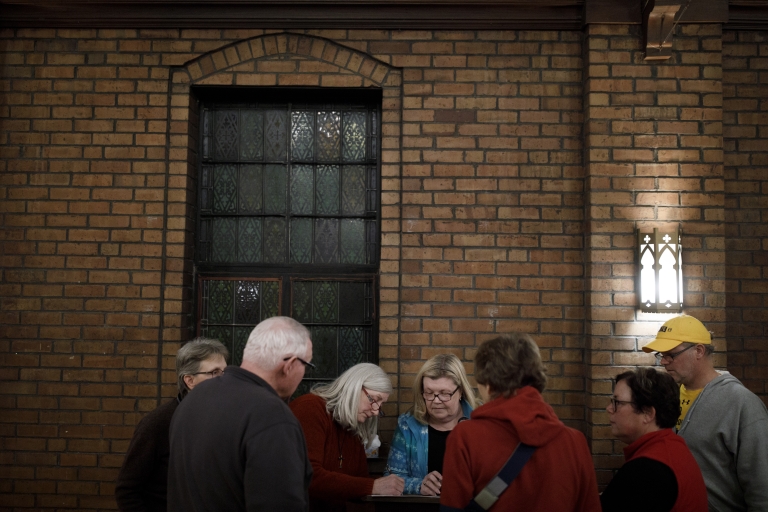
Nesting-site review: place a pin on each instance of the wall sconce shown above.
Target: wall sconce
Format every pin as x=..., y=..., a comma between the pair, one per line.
x=660, y=271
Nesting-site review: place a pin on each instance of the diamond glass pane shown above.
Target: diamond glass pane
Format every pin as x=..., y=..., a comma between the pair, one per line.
x=302, y=135
x=223, y=239
x=250, y=189
x=206, y=188
x=270, y=299
x=275, y=200
x=374, y=134
x=324, y=351
x=325, y=302
x=302, y=189
x=354, y=136
x=241, y=338
x=353, y=190
x=327, y=191
x=353, y=298
x=225, y=137
x=248, y=240
x=247, y=302
x=326, y=241
x=206, y=134
x=223, y=333
x=352, y=241
x=301, y=240
x=274, y=240
x=276, y=133
x=251, y=135
x=351, y=347
x=224, y=189
x=328, y=136
x=301, y=301
x=220, y=302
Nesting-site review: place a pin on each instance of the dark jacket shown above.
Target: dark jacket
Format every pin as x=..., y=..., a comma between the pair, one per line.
x=236, y=446
x=143, y=479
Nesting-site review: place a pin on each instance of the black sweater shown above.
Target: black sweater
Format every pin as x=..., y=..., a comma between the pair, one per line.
x=143, y=480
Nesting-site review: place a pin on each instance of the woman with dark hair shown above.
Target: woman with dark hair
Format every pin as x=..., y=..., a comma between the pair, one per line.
x=660, y=473
x=558, y=477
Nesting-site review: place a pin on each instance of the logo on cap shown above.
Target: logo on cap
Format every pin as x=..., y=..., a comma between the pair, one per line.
x=664, y=328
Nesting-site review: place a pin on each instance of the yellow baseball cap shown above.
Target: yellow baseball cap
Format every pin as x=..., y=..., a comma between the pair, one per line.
x=681, y=329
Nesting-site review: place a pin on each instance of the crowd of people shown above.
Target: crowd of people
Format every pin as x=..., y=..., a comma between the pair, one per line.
x=696, y=438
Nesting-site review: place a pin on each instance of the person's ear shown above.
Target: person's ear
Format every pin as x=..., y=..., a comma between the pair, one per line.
x=189, y=380
x=649, y=414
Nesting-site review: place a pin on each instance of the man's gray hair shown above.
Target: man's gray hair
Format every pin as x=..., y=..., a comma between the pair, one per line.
x=194, y=352
x=342, y=397
x=274, y=339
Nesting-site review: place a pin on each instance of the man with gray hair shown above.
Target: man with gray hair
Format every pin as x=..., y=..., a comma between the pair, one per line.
x=235, y=445
x=143, y=479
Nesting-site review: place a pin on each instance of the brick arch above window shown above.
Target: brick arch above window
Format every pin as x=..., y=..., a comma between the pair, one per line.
x=288, y=59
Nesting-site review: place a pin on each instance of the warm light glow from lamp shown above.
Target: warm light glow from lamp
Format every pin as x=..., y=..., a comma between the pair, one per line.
x=660, y=271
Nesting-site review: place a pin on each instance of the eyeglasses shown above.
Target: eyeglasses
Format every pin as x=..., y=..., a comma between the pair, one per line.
x=616, y=403
x=212, y=373
x=670, y=356
x=376, y=406
x=309, y=366
x=444, y=397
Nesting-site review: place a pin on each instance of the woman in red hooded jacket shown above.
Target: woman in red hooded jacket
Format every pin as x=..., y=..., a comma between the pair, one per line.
x=559, y=476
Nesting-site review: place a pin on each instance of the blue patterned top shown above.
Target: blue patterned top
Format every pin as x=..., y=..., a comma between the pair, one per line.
x=408, y=452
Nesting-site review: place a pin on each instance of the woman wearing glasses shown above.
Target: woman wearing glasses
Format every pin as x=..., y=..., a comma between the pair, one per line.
x=442, y=397
x=660, y=473
x=339, y=419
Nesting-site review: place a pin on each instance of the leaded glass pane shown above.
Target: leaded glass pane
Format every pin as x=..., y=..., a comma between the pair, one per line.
x=274, y=240
x=206, y=121
x=302, y=187
x=374, y=135
x=251, y=135
x=302, y=135
x=353, y=190
x=354, y=136
x=224, y=189
x=223, y=239
x=223, y=333
x=250, y=189
x=220, y=302
x=270, y=299
x=249, y=240
x=352, y=241
x=354, y=298
x=328, y=136
x=324, y=351
x=301, y=303
x=351, y=347
x=225, y=137
x=206, y=188
x=275, y=199
x=204, y=245
x=247, y=302
x=326, y=241
x=327, y=191
x=301, y=240
x=325, y=302
x=241, y=339
x=276, y=132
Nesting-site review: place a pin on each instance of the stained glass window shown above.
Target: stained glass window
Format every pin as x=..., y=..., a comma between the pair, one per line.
x=288, y=221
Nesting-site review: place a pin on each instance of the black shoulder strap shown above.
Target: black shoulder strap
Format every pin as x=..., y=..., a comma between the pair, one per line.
x=488, y=496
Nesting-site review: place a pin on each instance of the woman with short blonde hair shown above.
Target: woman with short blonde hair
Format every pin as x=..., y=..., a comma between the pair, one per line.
x=442, y=396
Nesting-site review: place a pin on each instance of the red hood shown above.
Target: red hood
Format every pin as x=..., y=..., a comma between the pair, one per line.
x=533, y=419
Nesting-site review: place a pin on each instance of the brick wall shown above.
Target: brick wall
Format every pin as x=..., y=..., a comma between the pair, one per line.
x=745, y=120
x=654, y=158
x=484, y=197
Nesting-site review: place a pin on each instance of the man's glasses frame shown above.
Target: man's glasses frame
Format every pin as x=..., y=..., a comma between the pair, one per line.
x=444, y=397
x=213, y=373
x=307, y=364
x=670, y=356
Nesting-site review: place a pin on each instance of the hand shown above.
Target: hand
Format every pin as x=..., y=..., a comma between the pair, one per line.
x=391, y=485
x=431, y=484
